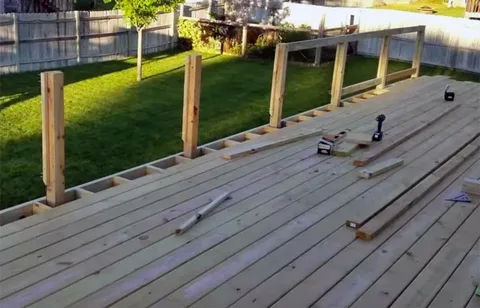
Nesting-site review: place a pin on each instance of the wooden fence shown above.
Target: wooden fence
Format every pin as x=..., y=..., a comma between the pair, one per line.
x=46, y=41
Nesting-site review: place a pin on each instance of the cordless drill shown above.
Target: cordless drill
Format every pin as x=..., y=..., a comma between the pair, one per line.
x=378, y=135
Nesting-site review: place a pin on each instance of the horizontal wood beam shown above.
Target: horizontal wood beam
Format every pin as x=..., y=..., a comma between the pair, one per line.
x=401, y=74
x=309, y=44
x=361, y=86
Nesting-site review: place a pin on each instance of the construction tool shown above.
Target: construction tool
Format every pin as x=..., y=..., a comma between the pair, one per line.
x=378, y=135
x=461, y=197
x=448, y=96
x=325, y=145
x=200, y=214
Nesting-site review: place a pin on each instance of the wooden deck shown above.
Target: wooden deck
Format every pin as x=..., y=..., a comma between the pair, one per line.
x=281, y=240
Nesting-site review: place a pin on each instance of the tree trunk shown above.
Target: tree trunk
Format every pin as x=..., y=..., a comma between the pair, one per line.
x=139, y=54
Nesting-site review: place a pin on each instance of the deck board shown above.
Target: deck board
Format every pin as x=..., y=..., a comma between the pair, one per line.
x=275, y=240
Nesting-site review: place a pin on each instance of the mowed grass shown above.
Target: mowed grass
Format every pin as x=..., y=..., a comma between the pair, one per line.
x=441, y=8
x=114, y=123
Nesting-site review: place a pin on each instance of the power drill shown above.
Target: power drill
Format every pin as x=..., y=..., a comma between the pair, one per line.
x=378, y=135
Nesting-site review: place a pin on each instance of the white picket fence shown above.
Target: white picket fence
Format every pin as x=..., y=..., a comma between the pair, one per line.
x=46, y=41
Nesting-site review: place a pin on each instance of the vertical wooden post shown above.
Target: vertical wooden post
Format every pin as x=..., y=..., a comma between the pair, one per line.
x=16, y=37
x=191, y=104
x=77, y=32
x=53, y=137
x=383, y=61
x=139, y=53
x=338, y=74
x=244, y=39
x=182, y=10
x=417, y=56
x=278, y=85
x=321, y=30
x=173, y=29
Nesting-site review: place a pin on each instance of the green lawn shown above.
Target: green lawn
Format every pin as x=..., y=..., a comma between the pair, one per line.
x=440, y=7
x=114, y=123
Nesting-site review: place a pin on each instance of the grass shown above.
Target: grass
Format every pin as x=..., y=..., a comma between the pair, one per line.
x=440, y=7
x=114, y=123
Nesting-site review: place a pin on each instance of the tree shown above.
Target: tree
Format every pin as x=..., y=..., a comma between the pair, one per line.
x=140, y=13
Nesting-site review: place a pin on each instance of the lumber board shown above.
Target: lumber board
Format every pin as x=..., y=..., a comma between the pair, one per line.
x=403, y=255
x=388, y=144
x=361, y=86
x=380, y=167
x=401, y=74
x=303, y=291
x=431, y=279
x=471, y=186
x=411, y=175
x=359, y=138
x=397, y=208
x=304, y=118
x=265, y=145
x=344, y=149
x=460, y=286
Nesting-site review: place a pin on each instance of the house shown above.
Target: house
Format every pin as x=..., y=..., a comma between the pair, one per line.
x=35, y=6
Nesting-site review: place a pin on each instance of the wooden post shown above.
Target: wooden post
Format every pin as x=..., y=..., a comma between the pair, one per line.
x=244, y=39
x=173, y=29
x=191, y=104
x=417, y=56
x=182, y=10
x=321, y=30
x=278, y=85
x=383, y=61
x=139, y=53
x=16, y=37
x=53, y=137
x=77, y=32
x=338, y=74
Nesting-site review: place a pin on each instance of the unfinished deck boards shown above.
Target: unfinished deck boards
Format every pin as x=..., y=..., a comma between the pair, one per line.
x=281, y=233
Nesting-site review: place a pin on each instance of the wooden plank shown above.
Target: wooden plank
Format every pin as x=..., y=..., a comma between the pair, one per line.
x=118, y=180
x=400, y=74
x=304, y=117
x=250, y=136
x=344, y=149
x=403, y=254
x=319, y=112
x=356, y=99
x=38, y=208
x=358, y=138
x=191, y=104
x=269, y=129
x=309, y=44
x=231, y=143
x=417, y=56
x=361, y=86
x=378, y=223
x=387, y=144
x=82, y=193
x=459, y=288
x=410, y=176
x=383, y=62
x=244, y=40
x=309, y=291
x=78, y=38
x=471, y=186
x=241, y=151
x=290, y=123
x=53, y=136
x=278, y=85
x=381, y=167
x=432, y=278
x=16, y=36
x=338, y=74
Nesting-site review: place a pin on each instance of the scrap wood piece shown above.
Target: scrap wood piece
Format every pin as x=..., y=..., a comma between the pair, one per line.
x=471, y=186
x=378, y=223
x=202, y=213
x=381, y=167
x=344, y=149
x=359, y=138
x=247, y=149
x=387, y=145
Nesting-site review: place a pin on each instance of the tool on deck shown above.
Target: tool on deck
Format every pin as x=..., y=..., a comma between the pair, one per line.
x=378, y=135
x=325, y=145
x=461, y=197
x=448, y=96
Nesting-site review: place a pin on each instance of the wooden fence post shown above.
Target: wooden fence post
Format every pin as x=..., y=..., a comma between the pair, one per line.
x=417, y=56
x=338, y=74
x=191, y=105
x=182, y=10
x=16, y=37
x=244, y=39
x=53, y=137
x=278, y=85
x=321, y=30
x=173, y=29
x=383, y=61
x=77, y=32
